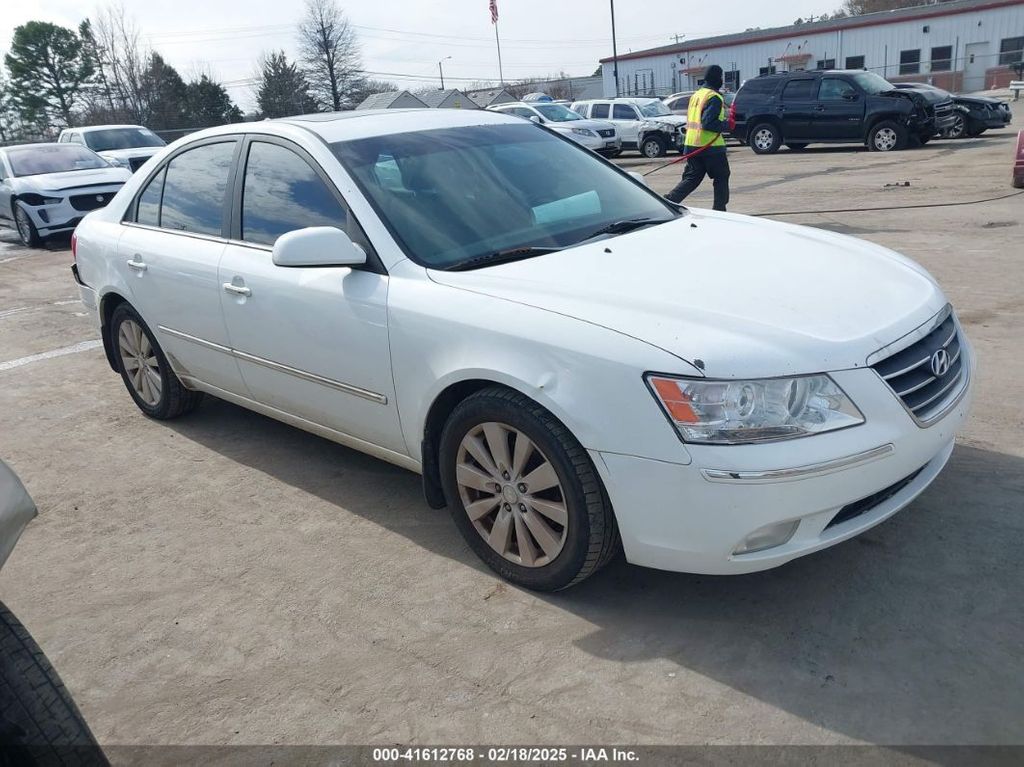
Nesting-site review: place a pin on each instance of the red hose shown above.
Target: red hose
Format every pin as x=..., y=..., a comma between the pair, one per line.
x=684, y=157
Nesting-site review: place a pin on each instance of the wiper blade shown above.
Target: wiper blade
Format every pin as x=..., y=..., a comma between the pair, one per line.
x=501, y=257
x=621, y=227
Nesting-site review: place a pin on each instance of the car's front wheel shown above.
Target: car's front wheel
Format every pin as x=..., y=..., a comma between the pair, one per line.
x=524, y=493
x=27, y=232
x=653, y=147
x=959, y=127
x=765, y=139
x=887, y=136
x=145, y=370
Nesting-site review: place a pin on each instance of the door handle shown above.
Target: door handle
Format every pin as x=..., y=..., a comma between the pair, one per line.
x=819, y=108
x=137, y=265
x=238, y=290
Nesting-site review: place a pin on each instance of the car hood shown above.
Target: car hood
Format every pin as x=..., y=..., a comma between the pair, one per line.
x=56, y=182
x=672, y=119
x=745, y=296
x=126, y=154
x=978, y=101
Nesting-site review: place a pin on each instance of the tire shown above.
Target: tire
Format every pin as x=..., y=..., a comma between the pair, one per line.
x=887, y=136
x=765, y=138
x=27, y=232
x=158, y=392
x=653, y=147
x=796, y=147
x=575, y=550
x=39, y=722
x=959, y=127
x=973, y=131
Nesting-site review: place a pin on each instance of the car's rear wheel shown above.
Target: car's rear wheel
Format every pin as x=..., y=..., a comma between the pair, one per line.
x=524, y=493
x=886, y=137
x=653, y=146
x=27, y=232
x=145, y=369
x=765, y=139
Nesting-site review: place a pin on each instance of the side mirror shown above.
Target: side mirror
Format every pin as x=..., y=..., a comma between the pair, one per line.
x=536, y=119
x=317, y=246
x=638, y=177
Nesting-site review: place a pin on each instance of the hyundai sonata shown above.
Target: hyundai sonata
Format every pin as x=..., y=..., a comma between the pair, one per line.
x=539, y=335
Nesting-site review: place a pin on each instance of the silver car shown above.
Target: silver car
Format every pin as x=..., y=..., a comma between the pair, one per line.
x=597, y=135
x=47, y=188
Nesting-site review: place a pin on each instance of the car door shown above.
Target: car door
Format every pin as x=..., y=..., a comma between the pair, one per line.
x=169, y=251
x=796, y=108
x=626, y=118
x=310, y=341
x=839, y=113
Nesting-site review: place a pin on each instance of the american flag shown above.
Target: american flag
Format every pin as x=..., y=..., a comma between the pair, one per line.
x=494, y=11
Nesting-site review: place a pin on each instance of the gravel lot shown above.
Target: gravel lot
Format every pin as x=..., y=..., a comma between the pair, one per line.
x=226, y=579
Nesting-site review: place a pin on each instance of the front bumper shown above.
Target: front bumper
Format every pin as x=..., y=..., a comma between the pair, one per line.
x=597, y=143
x=692, y=518
x=64, y=216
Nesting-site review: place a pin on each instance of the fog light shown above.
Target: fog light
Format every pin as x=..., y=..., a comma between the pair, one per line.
x=768, y=537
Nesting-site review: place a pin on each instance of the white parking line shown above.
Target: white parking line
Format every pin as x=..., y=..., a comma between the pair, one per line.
x=9, y=312
x=84, y=346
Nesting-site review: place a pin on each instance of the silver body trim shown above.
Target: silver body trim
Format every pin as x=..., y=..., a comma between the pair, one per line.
x=302, y=374
x=799, y=472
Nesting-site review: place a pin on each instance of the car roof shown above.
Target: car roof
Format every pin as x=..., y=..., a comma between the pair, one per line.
x=91, y=128
x=621, y=100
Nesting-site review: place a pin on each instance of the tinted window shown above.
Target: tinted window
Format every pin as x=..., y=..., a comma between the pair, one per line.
x=854, y=62
x=120, y=138
x=283, y=193
x=149, y=201
x=910, y=62
x=33, y=160
x=798, y=90
x=599, y=110
x=834, y=89
x=194, y=189
x=826, y=64
x=1011, y=51
x=759, y=87
x=623, y=112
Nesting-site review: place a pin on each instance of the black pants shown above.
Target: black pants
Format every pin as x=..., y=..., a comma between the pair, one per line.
x=712, y=163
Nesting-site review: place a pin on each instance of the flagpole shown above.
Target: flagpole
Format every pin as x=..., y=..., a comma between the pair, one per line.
x=497, y=40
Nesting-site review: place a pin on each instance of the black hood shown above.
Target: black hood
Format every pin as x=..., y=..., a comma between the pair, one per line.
x=977, y=101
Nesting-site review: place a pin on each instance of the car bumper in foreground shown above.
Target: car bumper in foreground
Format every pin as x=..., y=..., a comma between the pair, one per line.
x=796, y=497
x=65, y=215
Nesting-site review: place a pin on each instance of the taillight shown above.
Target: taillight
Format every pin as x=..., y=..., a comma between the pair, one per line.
x=74, y=246
x=732, y=111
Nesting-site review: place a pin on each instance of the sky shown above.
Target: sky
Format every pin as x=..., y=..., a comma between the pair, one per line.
x=403, y=40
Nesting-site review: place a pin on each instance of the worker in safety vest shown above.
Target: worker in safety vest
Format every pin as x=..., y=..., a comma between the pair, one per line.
x=706, y=121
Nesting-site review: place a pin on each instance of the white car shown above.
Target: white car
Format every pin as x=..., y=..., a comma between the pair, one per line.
x=46, y=189
x=597, y=135
x=537, y=333
x=123, y=146
x=645, y=124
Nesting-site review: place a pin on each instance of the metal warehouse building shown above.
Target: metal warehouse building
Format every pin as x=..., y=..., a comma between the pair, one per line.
x=962, y=45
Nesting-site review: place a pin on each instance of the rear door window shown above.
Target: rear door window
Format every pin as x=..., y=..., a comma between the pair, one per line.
x=148, y=212
x=195, y=188
x=798, y=90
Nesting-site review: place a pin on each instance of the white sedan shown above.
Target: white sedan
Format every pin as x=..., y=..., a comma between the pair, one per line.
x=539, y=335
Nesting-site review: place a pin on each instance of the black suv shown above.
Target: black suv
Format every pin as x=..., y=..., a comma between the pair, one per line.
x=801, y=108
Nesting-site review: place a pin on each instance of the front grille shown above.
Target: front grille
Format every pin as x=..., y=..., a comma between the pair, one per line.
x=864, y=505
x=945, y=109
x=86, y=202
x=608, y=133
x=136, y=162
x=915, y=374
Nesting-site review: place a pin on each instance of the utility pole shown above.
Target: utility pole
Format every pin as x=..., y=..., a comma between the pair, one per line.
x=678, y=38
x=615, y=52
x=440, y=69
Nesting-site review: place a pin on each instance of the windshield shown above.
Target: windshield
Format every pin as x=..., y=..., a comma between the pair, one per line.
x=655, y=109
x=872, y=84
x=121, y=138
x=456, y=194
x=52, y=158
x=556, y=113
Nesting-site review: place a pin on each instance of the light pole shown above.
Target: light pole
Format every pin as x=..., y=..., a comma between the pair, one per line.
x=615, y=52
x=441, y=69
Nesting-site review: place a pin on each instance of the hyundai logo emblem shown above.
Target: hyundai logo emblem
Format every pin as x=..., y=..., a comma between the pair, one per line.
x=940, y=363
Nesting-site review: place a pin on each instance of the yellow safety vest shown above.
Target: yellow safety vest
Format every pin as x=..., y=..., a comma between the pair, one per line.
x=695, y=133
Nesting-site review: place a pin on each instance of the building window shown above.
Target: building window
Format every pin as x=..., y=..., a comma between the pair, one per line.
x=826, y=64
x=766, y=71
x=942, y=58
x=1011, y=51
x=910, y=62
x=854, y=62
x=732, y=80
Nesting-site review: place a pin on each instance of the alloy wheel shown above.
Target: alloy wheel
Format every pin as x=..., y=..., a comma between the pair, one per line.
x=24, y=225
x=140, y=362
x=512, y=494
x=885, y=139
x=959, y=127
x=763, y=139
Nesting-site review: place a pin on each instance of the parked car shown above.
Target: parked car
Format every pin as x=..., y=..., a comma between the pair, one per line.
x=39, y=722
x=600, y=136
x=124, y=146
x=45, y=189
x=835, y=106
x=643, y=123
x=498, y=309
x=972, y=115
x=679, y=103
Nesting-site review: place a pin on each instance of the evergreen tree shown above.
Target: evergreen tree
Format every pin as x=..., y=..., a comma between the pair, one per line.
x=48, y=72
x=282, y=89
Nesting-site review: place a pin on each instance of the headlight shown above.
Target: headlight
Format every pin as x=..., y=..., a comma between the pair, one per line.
x=36, y=200
x=583, y=132
x=761, y=410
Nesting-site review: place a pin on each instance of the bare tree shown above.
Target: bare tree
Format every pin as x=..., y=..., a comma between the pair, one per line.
x=124, y=61
x=330, y=53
